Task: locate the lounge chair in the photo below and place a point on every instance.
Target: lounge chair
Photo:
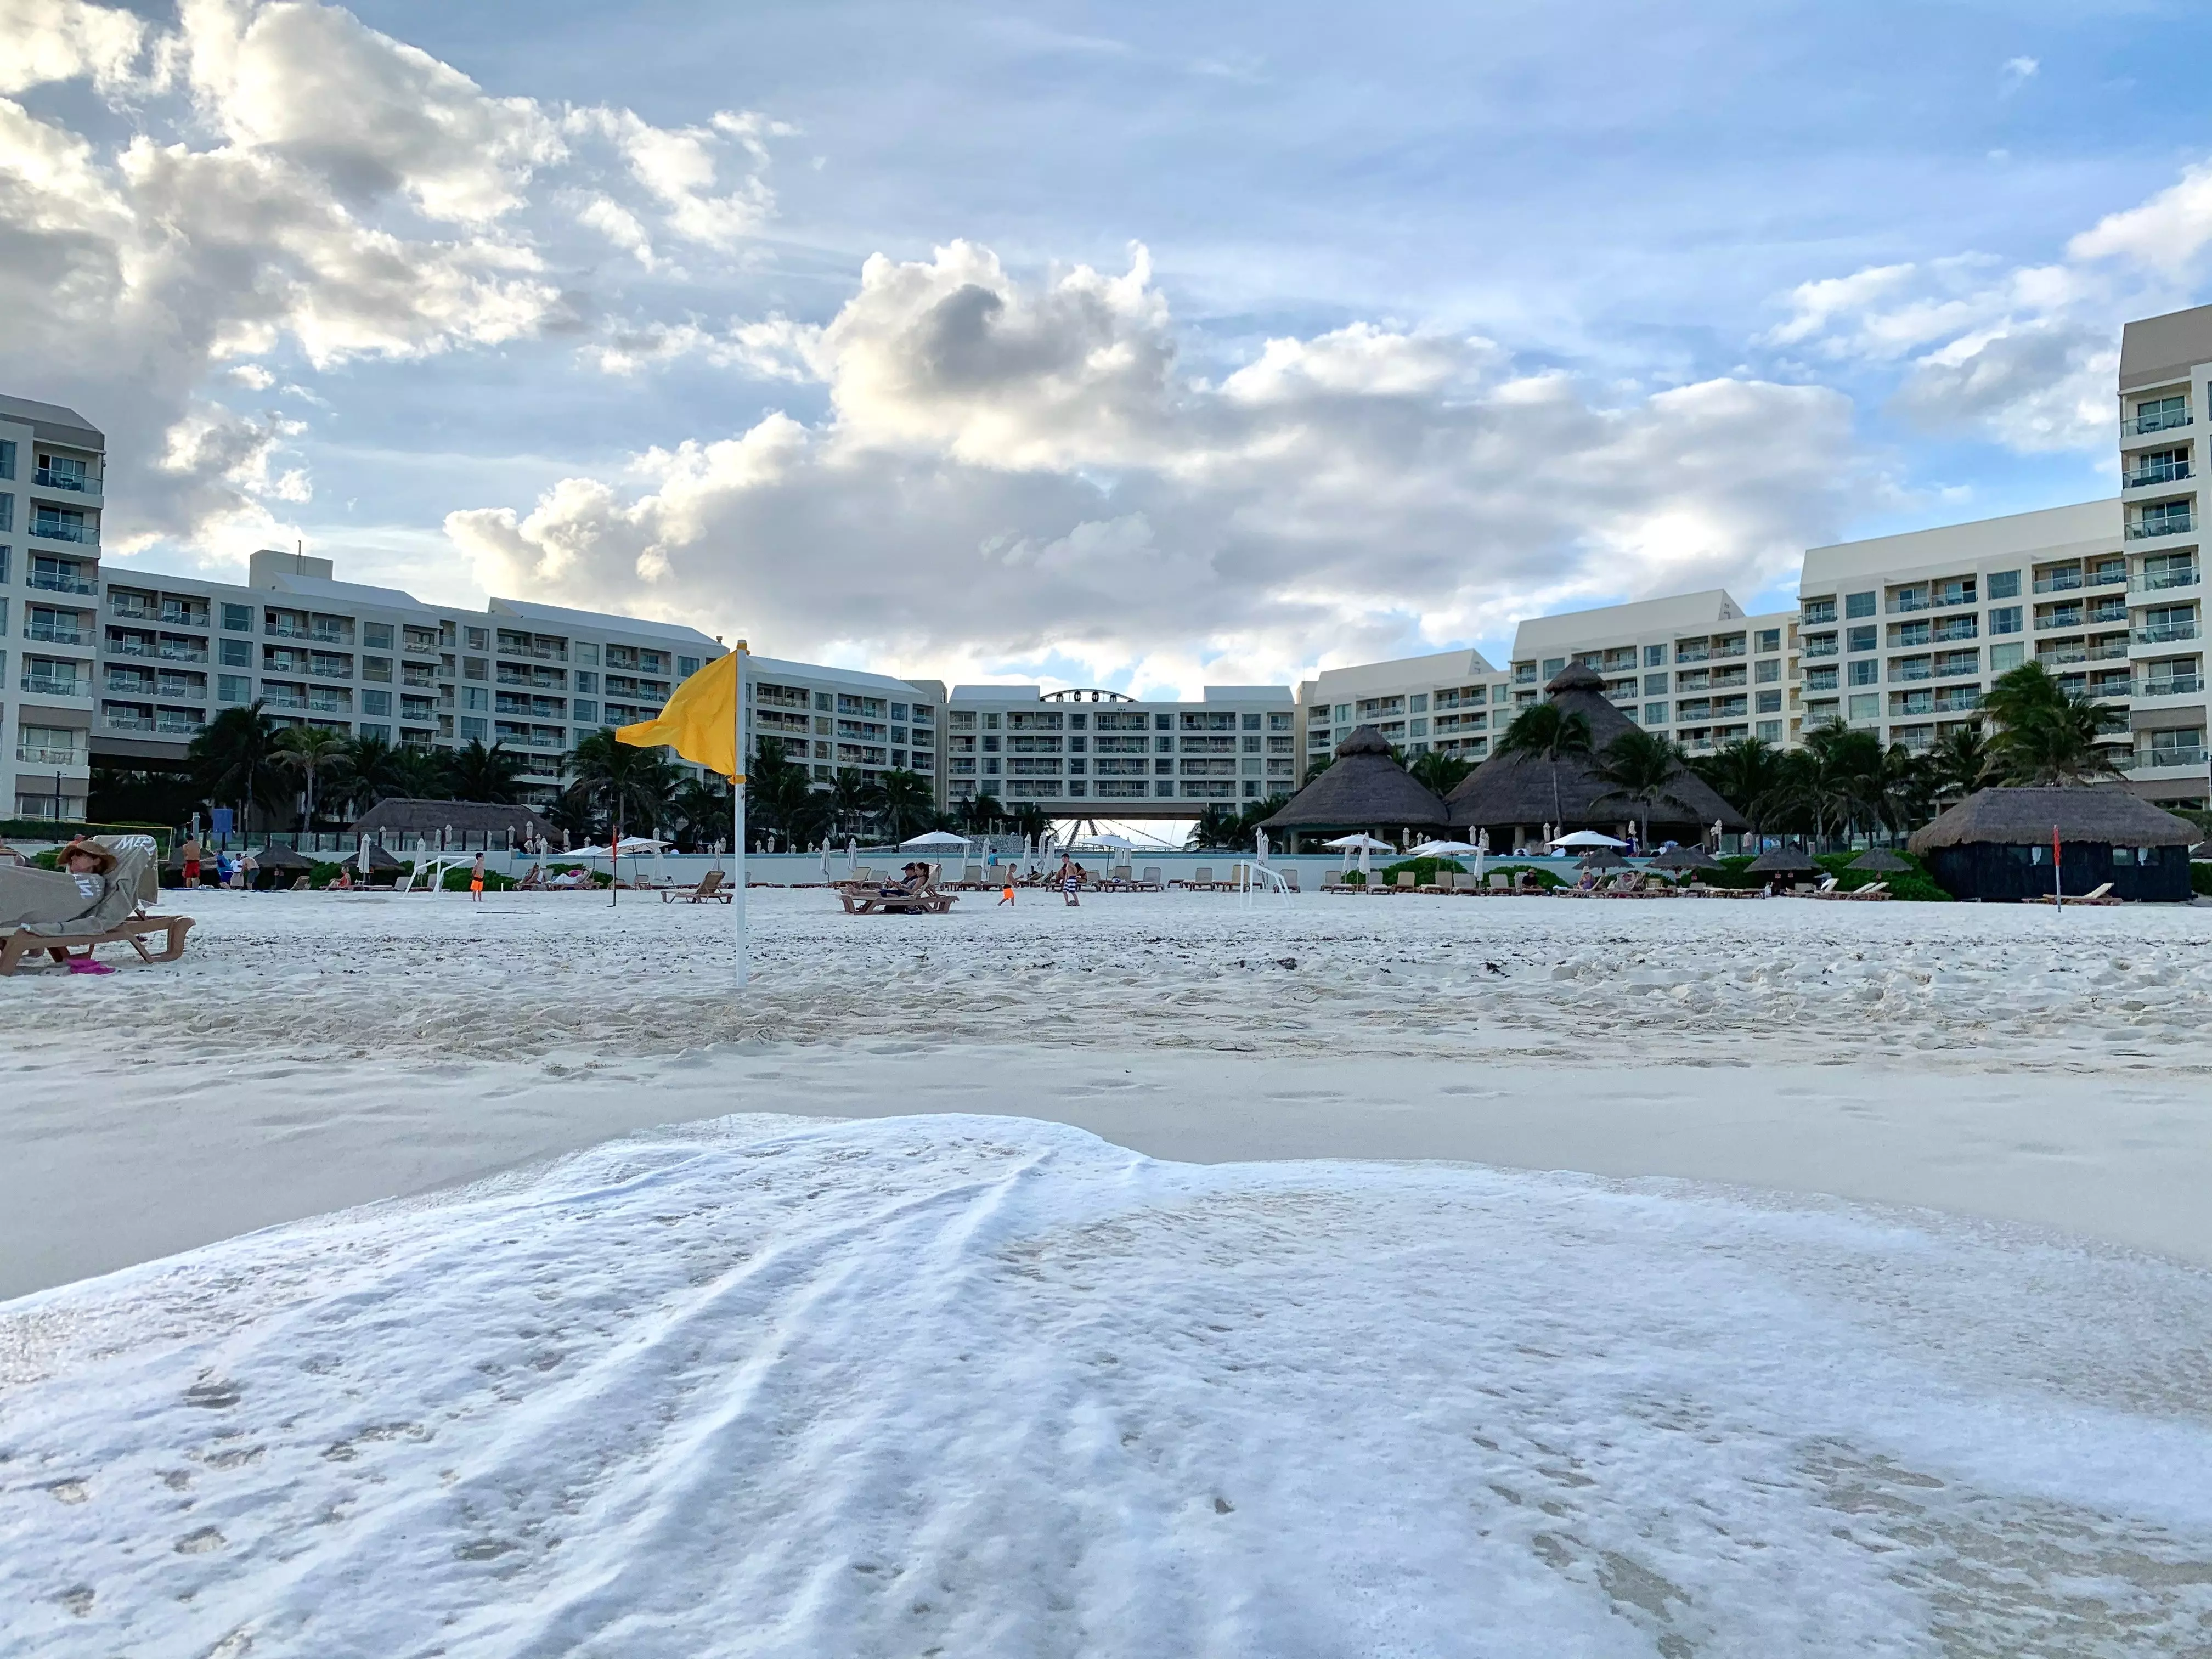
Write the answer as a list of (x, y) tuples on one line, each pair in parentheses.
[(2101, 894), (120, 918), (1151, 882), (710, 887), (1290, 878), (1873, 890), (971, 878), (1200, 880)]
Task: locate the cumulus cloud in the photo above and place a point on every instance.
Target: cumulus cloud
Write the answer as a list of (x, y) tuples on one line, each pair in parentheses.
[(295, 184), (1016, 471), (2021, 354)]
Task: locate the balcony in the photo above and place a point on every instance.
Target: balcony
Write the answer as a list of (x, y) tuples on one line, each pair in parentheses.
[(2160, 472), (2065, 582), (172, 725), (2159, 582), (2171, 524), (285, 631), (1826, 648), (2070, 617), (2143, 425), (115, 722), (534, 652), (47, 685), (2105, 612), (2165, 633), (2177, 686), (129, 606), (57, 633), (54, 581), (46, 478), (35, 754), (59, 530), (2166, 757)]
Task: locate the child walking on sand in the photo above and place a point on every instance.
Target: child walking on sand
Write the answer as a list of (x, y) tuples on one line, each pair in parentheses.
[(476, 881), (1006, 892)]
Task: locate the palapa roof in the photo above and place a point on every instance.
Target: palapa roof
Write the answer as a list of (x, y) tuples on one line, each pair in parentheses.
[(278, 856), (1879, 859), (1518, 788), (1364, 788), (2101, 814), (1783, 860), (426, 817)]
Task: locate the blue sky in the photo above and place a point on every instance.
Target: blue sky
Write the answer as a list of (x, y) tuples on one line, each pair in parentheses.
[(1536, 278)]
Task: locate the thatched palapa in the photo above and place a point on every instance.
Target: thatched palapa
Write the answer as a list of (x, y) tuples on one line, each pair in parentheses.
[(1512, 796), (1364, 788), (473, 821), (1998, 844)]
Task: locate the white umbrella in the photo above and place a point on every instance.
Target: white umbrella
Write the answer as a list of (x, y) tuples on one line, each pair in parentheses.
[(1587, 838), (1443, 849), (1262, 846), (934, 838), (851, 855), (1364, 843)]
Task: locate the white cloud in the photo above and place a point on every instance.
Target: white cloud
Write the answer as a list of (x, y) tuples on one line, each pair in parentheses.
[(1015, 471), (2024, 355), (2019, 69), (296, 183)]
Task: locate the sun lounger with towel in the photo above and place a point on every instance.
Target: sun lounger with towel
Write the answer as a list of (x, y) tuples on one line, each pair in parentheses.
[(59, 913)]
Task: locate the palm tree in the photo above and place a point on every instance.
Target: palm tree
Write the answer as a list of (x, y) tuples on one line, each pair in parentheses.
[(623, 784), (373, 771), (1545, 732), (702, 812), (1437, 772), (1835, 780), (852, 799), (1641, 766), (2045, 735), (781, 796), (476, 773), (981, 814), (1748, 773), (907, 803), (310, 751), (1029, 820), (420, 774), (1960, 762), (1218, 829), (233, 758)]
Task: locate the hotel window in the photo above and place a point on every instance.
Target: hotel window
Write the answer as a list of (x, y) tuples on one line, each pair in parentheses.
[(1655, 714), (1553, 665), (374, 636), (585, 709), (475, 697), (479, 729), (475, 668), (1858, 604), (2005, 619), (1770, 731), (588, 654), (479, 639), (2005, 657), (381, 733), (1866, 706), (238, 653), (376, 702), (1862, 638), (1769, 702), (687, 666), (1653, 683), (1767, 672), (238, 618), (1655, 656), (1867, 671), (2005, 584), (1769, 639), (232, 689)]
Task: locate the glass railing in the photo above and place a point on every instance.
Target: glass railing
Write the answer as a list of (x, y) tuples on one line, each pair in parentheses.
[(1820, 648), (2106, 612), (127, 722), (46, 685), (52, 582), (2164, 472), (1818, 615), (2062, 583), (285, 631), (56, 530), (2060, 619), (2157, 582), (130, 609), (2172, 756), (52, 480), (171, 652), (2165, 633), (36, 755), (181, 618), (2143, 425), (2178, 685), (179, 728), (2173, 524), (51, 634)]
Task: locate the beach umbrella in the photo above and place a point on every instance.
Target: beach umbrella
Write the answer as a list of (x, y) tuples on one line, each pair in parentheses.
[(1443, 849), (934, 838), (378, 859), (1783, 860), (1587, 838), (1878, 858), (281, 858), (852, 855), (1260, 846), (1686, 858), (1602, 858)]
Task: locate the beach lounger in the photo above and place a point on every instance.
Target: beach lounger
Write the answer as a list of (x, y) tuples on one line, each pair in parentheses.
[(1151, 882), (1290, 878), (926, 902), (2097, 894), (118, 918), (710, 887)]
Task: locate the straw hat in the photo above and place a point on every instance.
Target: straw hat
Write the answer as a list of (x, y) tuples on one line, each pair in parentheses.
[(104, 858)]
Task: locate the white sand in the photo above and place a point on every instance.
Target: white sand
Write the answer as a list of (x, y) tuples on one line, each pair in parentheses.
[(993, 1387)]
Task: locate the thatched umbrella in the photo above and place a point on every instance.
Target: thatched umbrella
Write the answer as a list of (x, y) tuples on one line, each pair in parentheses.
[(281, 858), (1510, 793), (1365, 789), (1602, 858), (1783, 861), (1879, 860), (1686, 858), (378, 859)]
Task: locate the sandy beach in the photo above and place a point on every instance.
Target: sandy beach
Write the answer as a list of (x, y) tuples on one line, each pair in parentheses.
[(1327, 1275)]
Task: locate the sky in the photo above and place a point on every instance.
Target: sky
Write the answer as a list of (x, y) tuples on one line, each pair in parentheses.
[(1138, 346)]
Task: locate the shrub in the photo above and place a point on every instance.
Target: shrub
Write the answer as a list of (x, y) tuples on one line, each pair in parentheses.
[(2199, 877), (1915, 886), (456, 881)]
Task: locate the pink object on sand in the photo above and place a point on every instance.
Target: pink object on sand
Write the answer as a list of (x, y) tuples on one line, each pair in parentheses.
[(86, 965)]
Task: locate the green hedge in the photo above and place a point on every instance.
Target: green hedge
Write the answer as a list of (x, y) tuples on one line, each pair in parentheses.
[(1424, 870), (2200, 877), (1914, 886), (456, 881)]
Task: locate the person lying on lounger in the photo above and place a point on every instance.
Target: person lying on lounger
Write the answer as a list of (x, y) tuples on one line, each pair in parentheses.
[(46, 898)]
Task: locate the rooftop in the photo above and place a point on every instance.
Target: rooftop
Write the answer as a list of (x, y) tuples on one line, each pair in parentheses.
[(2160, 349), (1608, 625), (2049, 531), (1442, 668), (53, 422), (561, 616)]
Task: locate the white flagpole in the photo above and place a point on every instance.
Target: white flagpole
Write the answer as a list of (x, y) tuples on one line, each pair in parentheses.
[(738, 803)]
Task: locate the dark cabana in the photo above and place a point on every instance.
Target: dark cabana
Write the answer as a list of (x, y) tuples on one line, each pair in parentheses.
[(1364, 788), (474, 823), (1997, 844), (1513, 796)]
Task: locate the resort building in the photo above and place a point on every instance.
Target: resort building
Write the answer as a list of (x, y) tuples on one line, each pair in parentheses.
[(1101, 754), (834, 718), (1693, 666), (1449, 702), (52, 465), (371, 662)]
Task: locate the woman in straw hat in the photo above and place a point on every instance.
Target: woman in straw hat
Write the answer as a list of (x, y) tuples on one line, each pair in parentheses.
[(72, 888)]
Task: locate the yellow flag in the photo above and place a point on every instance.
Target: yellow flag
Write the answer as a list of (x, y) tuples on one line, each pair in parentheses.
[(700, 721)]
